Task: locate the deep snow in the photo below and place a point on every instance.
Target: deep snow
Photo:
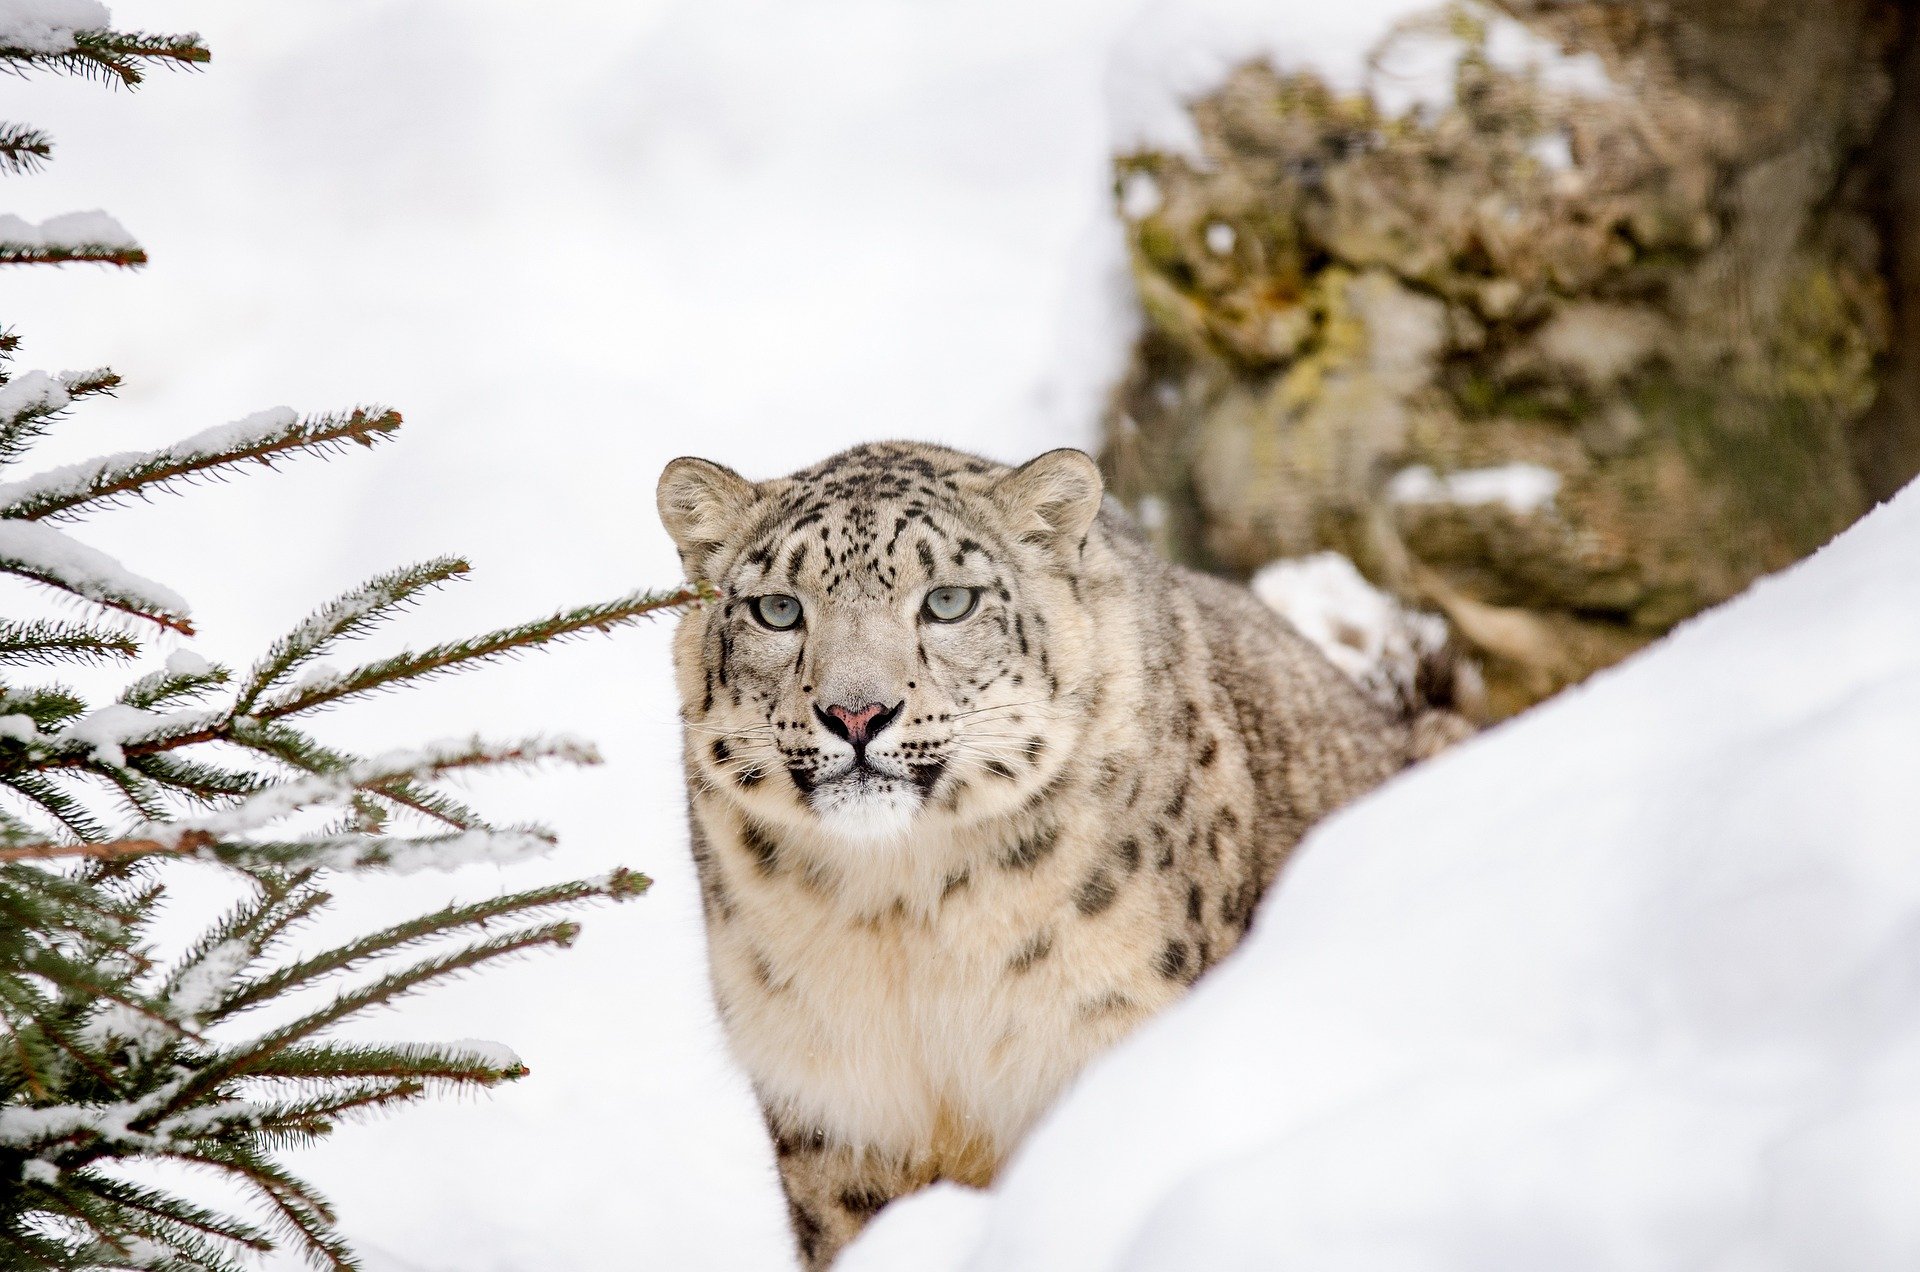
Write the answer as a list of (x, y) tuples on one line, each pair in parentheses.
[(1630, 983)]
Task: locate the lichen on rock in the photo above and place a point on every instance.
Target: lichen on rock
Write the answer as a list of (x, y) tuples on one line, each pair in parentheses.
[(1657, 287)]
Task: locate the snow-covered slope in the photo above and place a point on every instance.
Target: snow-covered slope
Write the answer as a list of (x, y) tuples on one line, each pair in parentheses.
[(1630, 983)]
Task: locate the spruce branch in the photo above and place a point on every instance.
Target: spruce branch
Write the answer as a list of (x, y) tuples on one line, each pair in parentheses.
[(462, 655), (46, 556), (353, 614), (44, 641), (111, 57), (23, 149), (81, 488), (16, 252), (240, 1061), (620, 885)]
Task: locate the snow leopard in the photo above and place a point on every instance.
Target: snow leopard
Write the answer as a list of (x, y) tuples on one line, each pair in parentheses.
[(978, 782)]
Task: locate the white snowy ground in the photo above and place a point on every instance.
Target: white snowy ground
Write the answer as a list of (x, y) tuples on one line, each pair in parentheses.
[(569, 248), (1629, 984)]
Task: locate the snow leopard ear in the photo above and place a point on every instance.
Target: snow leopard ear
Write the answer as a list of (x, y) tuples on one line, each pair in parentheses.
[(702, 506), (1052, 500)]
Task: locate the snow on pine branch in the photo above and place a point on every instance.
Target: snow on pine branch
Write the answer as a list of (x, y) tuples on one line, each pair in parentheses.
[(48, 26), (45, 555), (30, 402), (336, 789), (463, 655), (350, 615), (74, 488), (75, 36), (241, 831), (71, 236)]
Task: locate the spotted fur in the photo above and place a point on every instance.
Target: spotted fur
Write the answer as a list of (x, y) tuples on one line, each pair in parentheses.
[(1090, 781)]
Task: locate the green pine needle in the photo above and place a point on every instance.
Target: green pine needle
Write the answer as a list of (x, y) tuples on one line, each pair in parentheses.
[(23, 149)]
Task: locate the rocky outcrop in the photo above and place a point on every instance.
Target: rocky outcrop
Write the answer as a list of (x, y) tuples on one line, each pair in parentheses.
[(1568, 354)]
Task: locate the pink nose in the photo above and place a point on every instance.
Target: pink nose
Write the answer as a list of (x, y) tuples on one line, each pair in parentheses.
[(857, 721)]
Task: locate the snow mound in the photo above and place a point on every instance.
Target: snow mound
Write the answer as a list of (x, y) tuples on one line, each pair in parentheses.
[(1379, 643), (1632, 982)]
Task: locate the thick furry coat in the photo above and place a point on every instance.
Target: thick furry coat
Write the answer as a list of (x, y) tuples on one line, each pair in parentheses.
[(1077, 792)]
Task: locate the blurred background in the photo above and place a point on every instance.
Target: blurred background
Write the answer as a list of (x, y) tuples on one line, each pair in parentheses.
[(1563, 320)]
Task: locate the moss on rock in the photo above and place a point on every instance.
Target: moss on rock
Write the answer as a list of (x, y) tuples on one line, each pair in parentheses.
[(1674, 310)]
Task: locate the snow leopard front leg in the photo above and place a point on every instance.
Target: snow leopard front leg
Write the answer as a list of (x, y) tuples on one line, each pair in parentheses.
[(833, 1189)]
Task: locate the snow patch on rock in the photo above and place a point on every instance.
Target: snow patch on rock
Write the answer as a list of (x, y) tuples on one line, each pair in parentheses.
[(1379, 643), (1522, 489)]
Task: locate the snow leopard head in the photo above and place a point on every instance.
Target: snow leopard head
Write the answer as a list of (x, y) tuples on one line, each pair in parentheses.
[(898, 634)]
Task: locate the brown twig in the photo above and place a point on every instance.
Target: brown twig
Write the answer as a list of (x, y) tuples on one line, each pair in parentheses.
[(189, 841)]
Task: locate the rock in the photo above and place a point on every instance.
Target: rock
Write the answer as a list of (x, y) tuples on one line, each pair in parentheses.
[(1644, 270)]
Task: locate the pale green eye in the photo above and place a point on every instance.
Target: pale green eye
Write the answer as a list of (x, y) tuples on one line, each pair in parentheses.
[(951, 604), (777, 612)]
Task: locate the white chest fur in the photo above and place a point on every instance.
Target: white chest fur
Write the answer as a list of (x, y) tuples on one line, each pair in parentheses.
[(914, 1026)]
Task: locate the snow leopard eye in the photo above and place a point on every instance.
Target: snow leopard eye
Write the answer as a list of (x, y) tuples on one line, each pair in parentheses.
[(951, 604), (778, 612)]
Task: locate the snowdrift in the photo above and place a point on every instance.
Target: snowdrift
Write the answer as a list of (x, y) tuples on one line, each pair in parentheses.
[(1632, 982)]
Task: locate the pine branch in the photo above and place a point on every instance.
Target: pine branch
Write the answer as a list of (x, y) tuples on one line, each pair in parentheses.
[(352, 614), (29, 404), (175, 1210), (15, 252), (86, 487), (620, 885), (298, 751), (23, 149), (43, 641), (173, 684), (239, 1062), (462, 655), (448, 1063), (218, 835), (112, 57), (70, 814), (46, 556), (304, 1216)]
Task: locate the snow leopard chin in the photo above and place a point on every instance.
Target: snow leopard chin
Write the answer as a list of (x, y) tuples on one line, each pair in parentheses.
[(866, 813)]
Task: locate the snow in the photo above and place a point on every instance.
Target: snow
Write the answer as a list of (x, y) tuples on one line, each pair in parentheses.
[(106, 731), (751, 230), (1626, 983), (68, 230), (335, 789), (47, 26), (47, 552), (202, 986), (31, 392), (1521, 488), (184, 662), (495, 1055), (1366, 633), (72, 481), (1139, 196)]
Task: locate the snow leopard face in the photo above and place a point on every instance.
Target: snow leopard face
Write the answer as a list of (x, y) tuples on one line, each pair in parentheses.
[(898, 635)]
